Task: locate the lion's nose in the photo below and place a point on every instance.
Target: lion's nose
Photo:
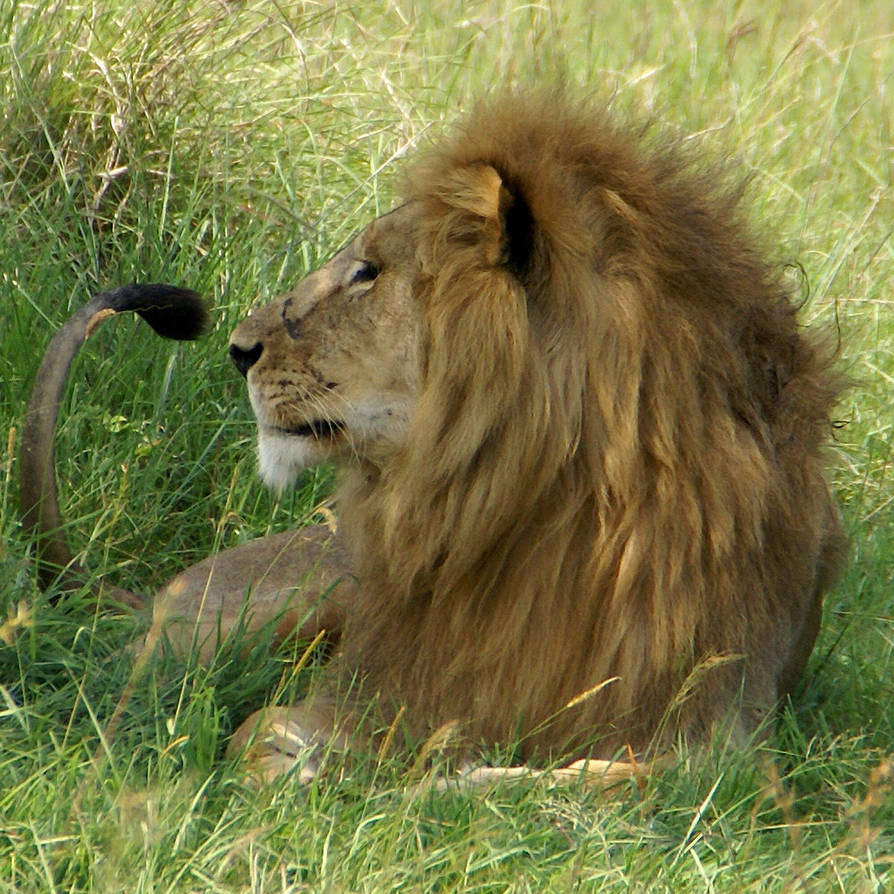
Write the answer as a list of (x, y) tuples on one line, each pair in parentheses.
[(245, 358)]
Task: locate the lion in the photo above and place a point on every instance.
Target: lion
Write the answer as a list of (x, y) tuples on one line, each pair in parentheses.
[(580, 439)]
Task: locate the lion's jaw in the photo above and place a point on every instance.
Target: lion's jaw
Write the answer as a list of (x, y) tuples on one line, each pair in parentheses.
[(332, 367)]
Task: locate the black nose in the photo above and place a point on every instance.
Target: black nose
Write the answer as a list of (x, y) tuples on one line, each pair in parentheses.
[(246, 358)]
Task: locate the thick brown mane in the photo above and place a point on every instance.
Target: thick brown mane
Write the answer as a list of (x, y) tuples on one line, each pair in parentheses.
[(613, 471)]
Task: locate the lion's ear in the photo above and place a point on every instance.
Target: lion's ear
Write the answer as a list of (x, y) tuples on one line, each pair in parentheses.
[(518, 228), (484, 191), (476, 206)]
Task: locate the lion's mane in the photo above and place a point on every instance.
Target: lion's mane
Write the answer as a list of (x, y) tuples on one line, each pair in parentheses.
[(610, 517)]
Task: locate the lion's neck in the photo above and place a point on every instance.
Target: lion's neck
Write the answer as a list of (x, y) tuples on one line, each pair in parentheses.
[(444, 617)]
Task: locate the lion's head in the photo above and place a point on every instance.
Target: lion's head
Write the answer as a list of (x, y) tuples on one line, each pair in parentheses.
[(333, 365), (580, 436)]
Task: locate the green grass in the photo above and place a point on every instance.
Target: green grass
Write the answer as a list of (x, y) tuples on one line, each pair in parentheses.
[(230, 147)]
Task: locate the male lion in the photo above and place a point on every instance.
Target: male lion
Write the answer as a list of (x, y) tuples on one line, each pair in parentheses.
[(580, 439)]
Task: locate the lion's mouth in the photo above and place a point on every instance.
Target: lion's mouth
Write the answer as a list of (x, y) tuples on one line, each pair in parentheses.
[(321, 429)]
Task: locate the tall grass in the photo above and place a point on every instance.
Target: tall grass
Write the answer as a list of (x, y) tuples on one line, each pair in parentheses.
[(230, 147)]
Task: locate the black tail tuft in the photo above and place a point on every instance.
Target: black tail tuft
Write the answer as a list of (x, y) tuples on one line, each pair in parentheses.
[(171, 311)]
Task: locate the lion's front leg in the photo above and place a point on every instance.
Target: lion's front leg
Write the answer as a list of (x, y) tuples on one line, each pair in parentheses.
[(299, 582), (276, 741), (603, 775)]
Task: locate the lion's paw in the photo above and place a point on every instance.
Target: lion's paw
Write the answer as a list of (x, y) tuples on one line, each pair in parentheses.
[(276, 741)]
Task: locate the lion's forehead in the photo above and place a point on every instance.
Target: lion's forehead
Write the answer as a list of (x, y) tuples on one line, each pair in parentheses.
[(392, 235), (322, 338)]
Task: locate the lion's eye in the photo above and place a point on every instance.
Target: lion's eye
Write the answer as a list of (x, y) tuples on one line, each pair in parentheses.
[(366, 272)]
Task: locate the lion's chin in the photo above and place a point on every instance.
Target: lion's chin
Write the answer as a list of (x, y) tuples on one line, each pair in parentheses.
[(281, 456)]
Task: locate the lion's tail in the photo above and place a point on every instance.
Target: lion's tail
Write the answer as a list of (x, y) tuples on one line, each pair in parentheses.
[(173, 313)]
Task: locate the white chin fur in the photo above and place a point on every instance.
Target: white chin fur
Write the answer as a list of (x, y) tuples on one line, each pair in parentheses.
[(282, 457)]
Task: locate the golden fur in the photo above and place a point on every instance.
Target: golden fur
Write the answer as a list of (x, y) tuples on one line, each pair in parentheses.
[(580, 436)]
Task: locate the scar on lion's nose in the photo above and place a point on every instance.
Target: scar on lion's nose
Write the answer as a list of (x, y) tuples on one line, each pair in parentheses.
[(292, 327), (246, 358)]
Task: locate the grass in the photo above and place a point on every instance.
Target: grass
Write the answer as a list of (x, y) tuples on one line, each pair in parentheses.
[(230, 147)]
